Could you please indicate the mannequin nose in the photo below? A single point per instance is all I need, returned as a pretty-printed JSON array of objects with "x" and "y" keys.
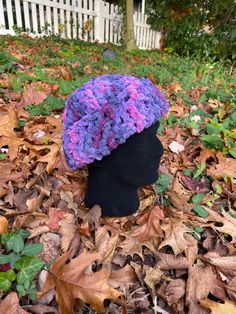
[{"x": 158, "y": 147}]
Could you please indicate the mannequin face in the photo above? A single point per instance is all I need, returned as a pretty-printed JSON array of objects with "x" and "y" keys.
[{"x": 135, "y": 162}]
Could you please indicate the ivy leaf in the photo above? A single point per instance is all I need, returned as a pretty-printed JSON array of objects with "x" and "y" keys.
[
  {"x": 10, "y": 241},
  {"x": 18, "y": 243},
  {"x": 212, "y": 141},
  {"x": 197, "y": 198},
  {"x": 27, "y": 284},
  {"x": 29, "y": 266},
  {"x": 2, "y": 156},
  {"x": 21, "y": 290},
  {"x": 233, "y": 152},
  {"x": 24, "y": 233},
  {"x": 4, "y": 259},
  {"x": 6, "y": 237},
  {"x": 200, "y": 211},
  {"x": 5, "y": 279},
  {"x": 162, "y": 183},
  {"x": 14, "y": 257},
  {"x": 32, "y": 249}
]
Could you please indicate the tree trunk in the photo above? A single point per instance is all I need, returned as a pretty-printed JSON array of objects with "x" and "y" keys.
[{"x": 130, "y": 40}]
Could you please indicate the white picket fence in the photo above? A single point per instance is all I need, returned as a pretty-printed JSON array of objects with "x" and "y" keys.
[{"x": 89, "y": 20}]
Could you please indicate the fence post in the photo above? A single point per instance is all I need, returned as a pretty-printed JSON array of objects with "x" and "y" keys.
[
  {"x": 99, "y": 21},
  {"x": 2, "y": 19}
]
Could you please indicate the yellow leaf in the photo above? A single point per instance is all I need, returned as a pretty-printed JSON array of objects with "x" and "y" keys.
[
  {"x": 219, "y": 308},
  {"x": 3, "y": 225}
]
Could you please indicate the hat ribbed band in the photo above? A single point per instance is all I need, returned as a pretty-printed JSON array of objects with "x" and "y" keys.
[{"x": 104, "y": 112}]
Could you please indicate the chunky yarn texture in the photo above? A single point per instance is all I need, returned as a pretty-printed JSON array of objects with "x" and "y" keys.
[{"x": 104, "y": 112}]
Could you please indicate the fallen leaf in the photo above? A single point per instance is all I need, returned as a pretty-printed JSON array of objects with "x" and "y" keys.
[
  {"x": 131, "y": 246},
  {"x": 225, "y": 167},
  {"x": 55, "y": 216},
  {"x": 71, "y": 282},
  {"x": 206, "y": 154},
  {"x": 8, "y": 123},
  {"x": 231, "y": 289},
  {"x": 147, "y": 198},
  {"x": 199, "y": 284},
  {"x": 152, "y": 277},
  {"x": 68, "y": 197},
  {"x": 227, "y": 223},
  {"x": 90, "y": 219},
  {"x": 47, "y": 297},
  {"x": 176, "y": 147},
  {"x": 175, "y": 232},
  {"x": 195, "y": 186},
  {"x": 3, "y": 225},
  {"x": 175, "y": 290},
  {"x": 219, "y": 308},
  {"x": 51, "y": 156},
  {"x": 42, "y": 309},
  {"x": 67, "y": 231},
  {"x": 175, "y": 87},
  {"x": 31, "y": 96},
  {"x": 105, "y": 245},
  {"x": 148, "y": 225},
  {"x": 10, "y": 305},
  {"x": 51, "y": 246},
  {"x": 169, "y": 261},
  {"x": 180, "y": 196},
  {"x": 225, "y": 262},
  {"x": 122, "y": 278}
]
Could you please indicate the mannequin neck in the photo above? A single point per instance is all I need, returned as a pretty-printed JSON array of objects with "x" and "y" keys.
[{"x": 114, "y": 197}]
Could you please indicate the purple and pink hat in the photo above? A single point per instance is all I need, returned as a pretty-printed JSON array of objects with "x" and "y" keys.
[{"x": 104, "y": 112}]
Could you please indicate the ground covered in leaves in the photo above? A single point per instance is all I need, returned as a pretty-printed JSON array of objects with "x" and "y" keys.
[{"x": 177, "y": 254}]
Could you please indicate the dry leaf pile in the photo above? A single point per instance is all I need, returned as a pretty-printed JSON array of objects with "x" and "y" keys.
[{"x": 150, "y": 262}]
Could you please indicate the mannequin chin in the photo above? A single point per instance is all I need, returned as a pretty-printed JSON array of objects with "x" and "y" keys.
[{"x": 113, "y": 182}]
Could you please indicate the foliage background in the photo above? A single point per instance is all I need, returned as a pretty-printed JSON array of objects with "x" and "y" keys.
[{"x": 183, "y": 24}]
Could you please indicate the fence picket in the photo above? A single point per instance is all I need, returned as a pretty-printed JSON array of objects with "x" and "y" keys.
[
  {"x": 74, "y": 19},
  {"x": 68, "y": 21},
  {"x": 18, "y": 13},
  {"x": 26, "y": 15},
  {"x": 2, "y": 19},
  {"x": 34, "y": 17},
  {"x": 136, "y": 28},
  {"x": 62, "y": 21},
  {"x": 107, "y": 24},
  {"x": 41, "y": 18},
  {"x": 115, "y": 24},
  {"x": 10, "y": 14},
  {"x": 55, "y": 19},
  {"x": 69, "y": 18}
]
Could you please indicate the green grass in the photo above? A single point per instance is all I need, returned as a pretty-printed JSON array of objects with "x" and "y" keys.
[{"x": 70, "y": 63}]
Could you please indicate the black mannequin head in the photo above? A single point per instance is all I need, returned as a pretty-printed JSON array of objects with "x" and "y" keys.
[
  {"x": 113, "y": 181},
  {"x": 137, "y": 160}
]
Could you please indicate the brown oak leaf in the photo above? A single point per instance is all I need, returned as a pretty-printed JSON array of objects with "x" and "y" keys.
[
  {"x": 73, "y": 281},
  {"x": 10, "y": 305},
  {"x": 176, "y": 235}
]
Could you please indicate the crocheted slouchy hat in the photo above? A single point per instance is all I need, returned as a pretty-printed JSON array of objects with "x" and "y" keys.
[{"x": 105, "y": 112}]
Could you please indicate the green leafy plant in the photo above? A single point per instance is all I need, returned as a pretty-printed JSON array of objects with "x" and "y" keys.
[
  {"x": 19, "y": 263},
  {"x": 197, "y": 232},
  {"x": 208, "y": 27},
  {"x": 2, "y": 156},
  {"x": 162, "y": 183},
  {"x": 7, "y": 62},
  {"x": 198, "y": 209},
  {"x": 219, "y": 136},
  {"x": 46, "y": 106}
]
